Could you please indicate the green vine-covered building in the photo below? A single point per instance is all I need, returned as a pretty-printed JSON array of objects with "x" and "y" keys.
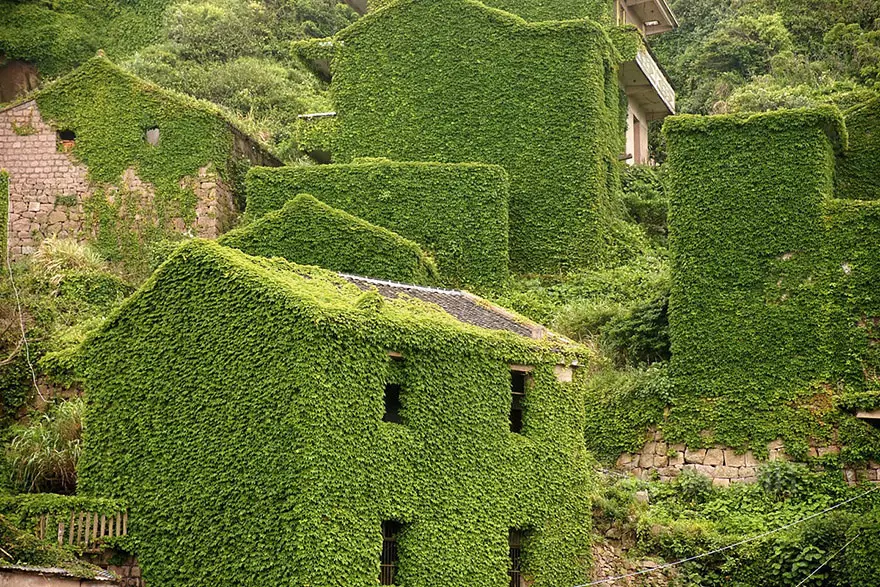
[
  {"x": 557, "y": 94},
  {"x": 277, "y": 424}
]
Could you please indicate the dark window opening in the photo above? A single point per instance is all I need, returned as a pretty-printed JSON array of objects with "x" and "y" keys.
[
  {"x": 515, "y": 540},
  {"x": 66, "y": 140},
  {"x": 151, "y": 135},
  {"x": 392, "y": 403},
  {"x": 388, "y": 564},
  {"x": 518, "y": 384}
]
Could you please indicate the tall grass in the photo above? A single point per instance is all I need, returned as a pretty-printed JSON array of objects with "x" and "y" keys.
[{"x": 43, "y": 455}]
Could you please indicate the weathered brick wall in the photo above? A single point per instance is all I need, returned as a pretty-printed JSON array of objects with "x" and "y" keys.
[
  {"x": 38, "y": 175},
  {"x": 47, "y": 188},
  {"x": 721, "y": 464}
]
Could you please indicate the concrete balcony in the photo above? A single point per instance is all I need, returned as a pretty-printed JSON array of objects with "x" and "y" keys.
[{"x": 646, "y": 84}]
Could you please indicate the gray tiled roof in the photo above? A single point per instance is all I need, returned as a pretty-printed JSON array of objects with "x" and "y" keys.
[{"x": 464, "y": 306}]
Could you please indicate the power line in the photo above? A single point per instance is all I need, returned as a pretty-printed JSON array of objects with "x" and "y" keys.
[
  {"x": 27, "y": 348},
  {"x": 828, "y": 560},
  {"x": 729, "y": 546}
]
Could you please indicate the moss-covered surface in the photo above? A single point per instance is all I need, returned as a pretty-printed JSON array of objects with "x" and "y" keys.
[
  {"x": 858, "y": 169},
  {"x": 752, "y": 325},
  {"x": 456, "y": 81},
  {"x": 261, "y": 445},
  {"x": 309, "y": 232},
  {"x": 458, "y": 213}
]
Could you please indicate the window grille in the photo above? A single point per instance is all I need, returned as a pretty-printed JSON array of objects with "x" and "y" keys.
[
  {"x": 515, "y": 540},
  {"x": 388, "y": 564}
]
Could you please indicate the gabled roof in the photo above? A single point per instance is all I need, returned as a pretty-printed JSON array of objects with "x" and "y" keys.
[{"x": 462, "y": 305}]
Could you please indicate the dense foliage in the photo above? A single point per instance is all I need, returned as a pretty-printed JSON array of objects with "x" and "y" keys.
[
  {"x": 309, "y": 232},
  {"x": 44, "y": 453},
  {"x": 689, "y": 517},
  {"x": 456, "y": 212},
  {"x": 261, "y": 438},
  {"x": 456, "y": 93},
  {"x": 750, "y": 56}
]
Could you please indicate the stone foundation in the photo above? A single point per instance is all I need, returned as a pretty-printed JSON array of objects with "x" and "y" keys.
[
  {"x": 721, "y": 464},
  {"x": 47, "y": 188},
  {"x": 125, "y": 567}
]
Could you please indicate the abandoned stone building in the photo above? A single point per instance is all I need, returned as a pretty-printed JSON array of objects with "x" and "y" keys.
[
  {"x": 100, "y": 152},
  {"x": 360, "y": 431}
]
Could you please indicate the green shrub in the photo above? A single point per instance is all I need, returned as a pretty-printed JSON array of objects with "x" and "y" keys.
[
  {"x": 693, "y": 486},
  {"x": 280, "y": 369},
  {"x": 309, "y": 232},
  {"x": 856, "y": 176},
  {"x": 863, "y": 555},
  {"x": 45, "y": 453},
  {"x": 640, "y": 335},
  {"x": 455, "y": 91},
  {"x": 644, "y": 195},
  {"x": 782, "y": 479},
  {"x": 458, "y": 213}
]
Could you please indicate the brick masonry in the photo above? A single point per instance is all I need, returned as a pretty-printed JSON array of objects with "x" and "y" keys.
[
  {"x": 47, "y": 187},
  {"x": 721, "y": 464}
]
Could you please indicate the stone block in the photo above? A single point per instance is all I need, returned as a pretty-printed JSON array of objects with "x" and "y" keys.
[
  {"x": 650, "y": 448},
  {"x": 727, "y": 472},
  {"x": 33, "y": 206},
  {"x": 705, "y": 470},
  {"x": 721, "y": 482},
  {"x": 624, "y": 461},
  {"x": 775, "y": 445},
  {"x": 646, "y": 460},
  {"x": 660, "y": 461},
  {"x": 746, "y": 472},
  {"x": 696, "y": 456},
  {"x": 677, "y": 460},
  {"x": 678, "y": 447},
  {"x": 661, "y": 448},
  {"x": 714, "y": 457},
  {"x": 828, "y": 450},
  {"x": 731, "y": 459}
]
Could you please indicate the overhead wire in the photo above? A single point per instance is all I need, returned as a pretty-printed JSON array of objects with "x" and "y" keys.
[
  {"x": 729, "y": 546},
  {"x": 828, "y": 560}
]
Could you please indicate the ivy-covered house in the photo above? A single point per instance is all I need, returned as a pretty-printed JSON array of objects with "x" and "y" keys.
[
  {"x": 102, "y": 155},
  {"x": 464, "y": 81},
  {"x": 281, "y": 424}
]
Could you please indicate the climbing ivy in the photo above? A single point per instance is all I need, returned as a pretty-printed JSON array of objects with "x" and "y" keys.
[
  {"x": 456, "y": 212},
  {"x": 759, "y": 297},
  {"x": 857, "y": 167},
  {"x": 4, "y": 214},
  {"x": 310, "y": 232},
  {"x": 421, "y": 80},
  {"x": 236, "y": 404}
]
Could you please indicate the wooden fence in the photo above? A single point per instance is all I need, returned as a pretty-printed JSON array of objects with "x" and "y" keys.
[{"x": 83, "y": 529}]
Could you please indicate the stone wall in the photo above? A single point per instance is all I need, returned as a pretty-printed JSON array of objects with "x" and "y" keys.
[
  {"x": 47, "y": 187},
  {"x": 721, "y": 464},
  {"x": 124, "y": 566}
]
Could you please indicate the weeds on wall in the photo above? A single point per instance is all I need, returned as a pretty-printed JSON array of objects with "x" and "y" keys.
[
  {"x": 281, "y": 369},
  {"x": 110, "y": 111}
]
